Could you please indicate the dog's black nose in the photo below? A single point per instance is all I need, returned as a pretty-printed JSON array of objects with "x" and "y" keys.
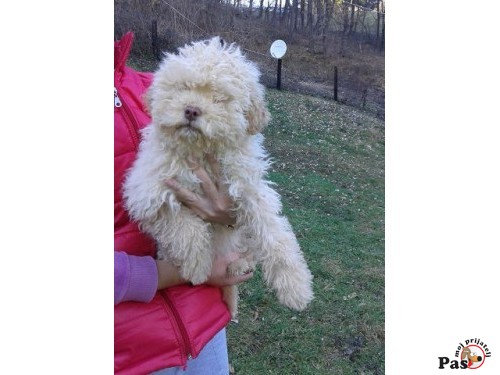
[
  {"x": 479, "y": 358},
  {"x": 192, "y": 113}
]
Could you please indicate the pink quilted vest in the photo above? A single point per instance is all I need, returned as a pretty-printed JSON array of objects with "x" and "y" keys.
[{"x": 179, "y": 321}]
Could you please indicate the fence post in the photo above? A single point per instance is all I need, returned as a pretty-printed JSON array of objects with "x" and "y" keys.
[
  {"x": 278, "y": 79},
  {"x": 335, "y": 83},
  {"x": 154, "y": 39},
  {"x": 278, "y": 50}
]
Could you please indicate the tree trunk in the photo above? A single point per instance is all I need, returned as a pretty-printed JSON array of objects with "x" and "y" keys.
[
  {"x": 382, "y": 39},
  {"x": 329, "y": 4},
  {"x": 329, "y": 8},
  {"x": 310, "y": 15},
  {"x": 286, "y": 14},
  {"x": 320, "y": 15},
  {"x": 345, "y": 13},
  {"x": 351, "y": 24},
  {"x": 275, "y": 10},
  {"x": 302, "y": 14},
  {"x": 378, "y": 23},
  {"x": 295, "y": 14}
]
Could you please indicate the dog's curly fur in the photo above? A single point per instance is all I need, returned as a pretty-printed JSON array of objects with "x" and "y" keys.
[{"x": 223, "y": 86}]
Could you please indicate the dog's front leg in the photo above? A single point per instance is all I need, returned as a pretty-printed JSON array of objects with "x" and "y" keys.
[{"x": 187, "y": 241}]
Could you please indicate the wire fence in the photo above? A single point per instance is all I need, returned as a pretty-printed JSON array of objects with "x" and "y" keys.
[{"x": 350, "y": 92}]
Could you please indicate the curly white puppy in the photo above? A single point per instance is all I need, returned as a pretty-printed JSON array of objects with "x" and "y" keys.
[{"x": 207, "y": 99}]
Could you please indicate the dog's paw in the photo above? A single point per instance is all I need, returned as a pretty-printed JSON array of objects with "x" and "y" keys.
[
  {"x": 293, "y": 287},
  {"x": 240, "y": 267},
  {"x": 297, "y": 298}
]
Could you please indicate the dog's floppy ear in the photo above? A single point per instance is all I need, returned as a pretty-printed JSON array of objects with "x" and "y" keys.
[{"x": 257, "y": 116}]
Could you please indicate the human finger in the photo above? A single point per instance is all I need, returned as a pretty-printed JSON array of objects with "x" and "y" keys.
[
  {"x": 192, "y": 162},
  {"x": 182, "y": 194},
  {"x": 222, "y": 186},
  {"x": 208, "y": 186},
  {"x": 215, "y": 167}
]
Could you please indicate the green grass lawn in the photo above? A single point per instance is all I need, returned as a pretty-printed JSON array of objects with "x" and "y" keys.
[{"x": 329, "y": 169}]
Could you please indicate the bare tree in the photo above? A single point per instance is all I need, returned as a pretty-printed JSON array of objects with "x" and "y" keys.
[
  {"x": 295, "y": 12},
  {"x": 320, "y": 15},
  {"x": 382, "y": 38},
  {"x": 261, "y": 8},
  {"x": 345, "y": 13},
  {"x": 302, "y": 13},
  {"x": 310, "y": 15},
  {"x": 329, "y": 7},
  {"x": 380, "y": 5},
  {"x": 285, "y": 15},
  {"x": 351, "y": 22},
  {"x": 275, "y": 12}
]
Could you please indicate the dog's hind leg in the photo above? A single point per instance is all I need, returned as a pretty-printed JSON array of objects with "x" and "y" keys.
[
  {"x": 230, "y": 297},
  {"x": 276, "y": 247}
]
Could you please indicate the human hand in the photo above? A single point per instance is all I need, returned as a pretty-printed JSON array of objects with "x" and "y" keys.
[
  {"x": 220, "y": 276},
  {"x": 215, "y": 205},
  {"x": 168, "y": 275}
]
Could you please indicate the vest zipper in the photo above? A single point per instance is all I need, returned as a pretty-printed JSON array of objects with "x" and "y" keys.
[
  {"x": 129, "y": 117},
  {"x": 118, "y": 102},
  {"x": 180, "y": 325}
]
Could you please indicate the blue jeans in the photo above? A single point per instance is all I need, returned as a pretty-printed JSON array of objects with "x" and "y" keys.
[{"x": 212, "y": 360}]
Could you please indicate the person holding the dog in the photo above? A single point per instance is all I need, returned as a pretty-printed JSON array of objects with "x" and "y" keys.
[{"x": 163, "y": 325}]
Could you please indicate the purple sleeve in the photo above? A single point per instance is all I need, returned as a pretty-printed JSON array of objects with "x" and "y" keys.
[{"x": 136, "y": 278}]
